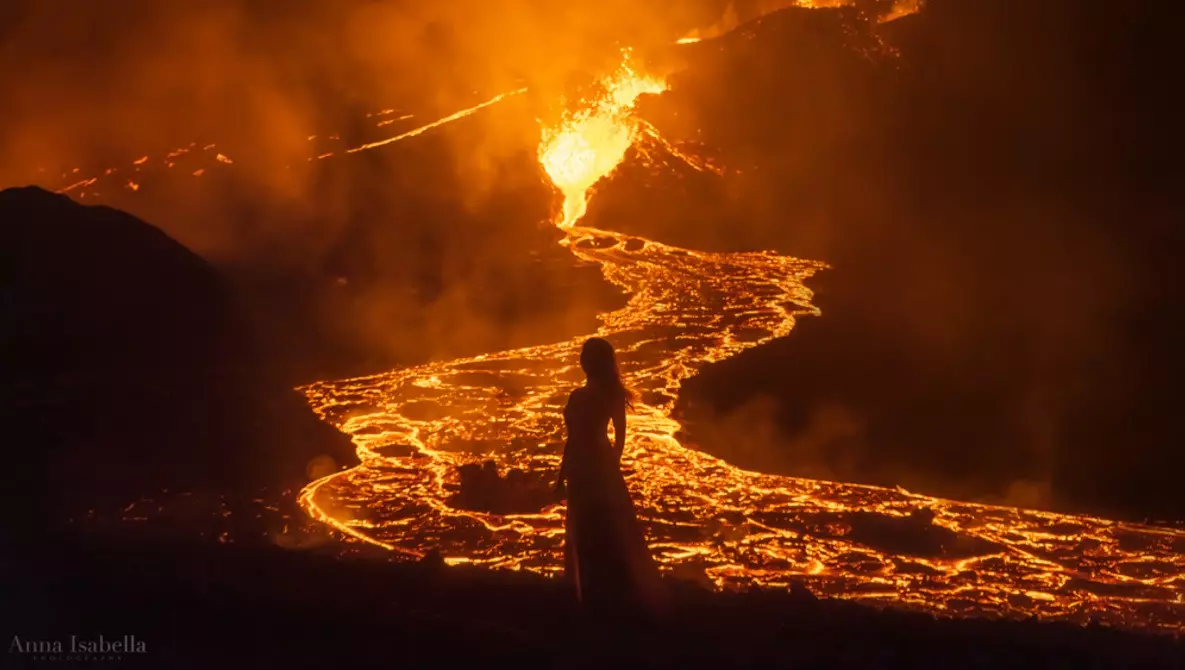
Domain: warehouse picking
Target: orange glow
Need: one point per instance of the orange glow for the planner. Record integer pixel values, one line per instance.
(686, 309)
(731, 19)
(422, 129)
(902, 8)
(81, 184)
(414, 426)
(390, 121)
(689, 309)
(591, 142)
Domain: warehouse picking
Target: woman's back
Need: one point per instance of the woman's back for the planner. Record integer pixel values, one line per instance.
(604, 547)
(588, 413)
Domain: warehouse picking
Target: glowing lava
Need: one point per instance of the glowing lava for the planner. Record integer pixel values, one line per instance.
(755, 9)
(590, 142)
(425, 128)
(704, 518)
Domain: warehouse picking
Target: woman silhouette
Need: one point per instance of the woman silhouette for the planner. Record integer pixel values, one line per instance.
(605, 553)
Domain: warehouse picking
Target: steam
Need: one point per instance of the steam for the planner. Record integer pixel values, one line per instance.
(834, 445)
(258, 79)
(272, 86)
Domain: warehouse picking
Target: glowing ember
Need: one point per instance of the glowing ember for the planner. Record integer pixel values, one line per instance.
(77, 185)
(651, 134)
(590, 142)
(390, 121)
(226, 160)
(902, 8)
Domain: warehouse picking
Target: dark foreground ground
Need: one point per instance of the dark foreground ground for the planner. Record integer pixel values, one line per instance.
(197, 604)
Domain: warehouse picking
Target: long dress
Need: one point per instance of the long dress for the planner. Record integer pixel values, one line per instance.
(605, 551)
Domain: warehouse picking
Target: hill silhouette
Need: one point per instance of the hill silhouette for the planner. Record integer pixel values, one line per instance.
(130, 368)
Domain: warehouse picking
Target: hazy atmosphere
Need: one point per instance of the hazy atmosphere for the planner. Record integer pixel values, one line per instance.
(886, 294)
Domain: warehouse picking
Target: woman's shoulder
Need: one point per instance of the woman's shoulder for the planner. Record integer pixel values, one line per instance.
(586, 395)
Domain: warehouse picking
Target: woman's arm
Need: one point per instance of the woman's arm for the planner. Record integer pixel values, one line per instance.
(559, 481)
(619, 429)
(563, 473)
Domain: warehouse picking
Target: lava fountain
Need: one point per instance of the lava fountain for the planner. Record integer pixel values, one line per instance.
(591, 142)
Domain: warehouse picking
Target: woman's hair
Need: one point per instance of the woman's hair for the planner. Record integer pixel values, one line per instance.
(599, 362)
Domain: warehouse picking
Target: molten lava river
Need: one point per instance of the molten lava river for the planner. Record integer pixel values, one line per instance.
(703, 517)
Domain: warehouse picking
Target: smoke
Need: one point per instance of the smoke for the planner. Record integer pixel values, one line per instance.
(965, 165)
(981, 226)
(258, 78)
(113, 83)
(975, 379)
(835, 444)
(412, 248)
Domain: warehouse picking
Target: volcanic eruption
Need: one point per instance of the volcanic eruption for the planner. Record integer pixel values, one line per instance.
(684, 309)
(414, 427)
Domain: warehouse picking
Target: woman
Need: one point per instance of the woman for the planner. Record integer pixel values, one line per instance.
(604, 551)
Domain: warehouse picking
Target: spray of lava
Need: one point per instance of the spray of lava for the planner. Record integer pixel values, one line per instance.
(591, 142)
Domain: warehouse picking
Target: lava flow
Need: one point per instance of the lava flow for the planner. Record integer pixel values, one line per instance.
(704, 518)
(590, 143)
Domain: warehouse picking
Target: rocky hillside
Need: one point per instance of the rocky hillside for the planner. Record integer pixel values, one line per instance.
(129, 367)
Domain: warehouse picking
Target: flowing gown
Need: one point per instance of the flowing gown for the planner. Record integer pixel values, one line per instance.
(605, 551)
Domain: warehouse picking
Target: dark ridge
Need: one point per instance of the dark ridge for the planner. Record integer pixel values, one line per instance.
(129, 368)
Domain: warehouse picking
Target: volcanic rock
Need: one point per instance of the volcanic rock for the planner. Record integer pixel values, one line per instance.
(433, 561)
(481, 488)
(129, 368)
(992, 190)
(913, 535)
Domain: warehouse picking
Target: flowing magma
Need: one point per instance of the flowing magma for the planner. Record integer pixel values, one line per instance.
(730, 527)
(590, 142)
